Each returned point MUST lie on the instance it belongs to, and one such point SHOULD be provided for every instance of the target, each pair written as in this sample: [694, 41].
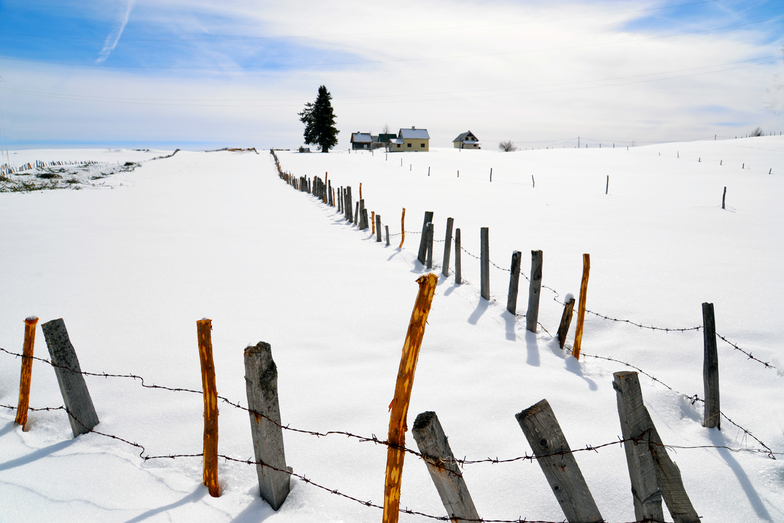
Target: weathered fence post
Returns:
[484, 263]
[210, 394]
[25, 379]
[637, 421]
[402, 398]
[458, 258]
[447, 246]
[373, 222]
[386, 229]
[534, 292]
[378, 228]
[356, 213]
[446, 475]
[261, 385]
[514, 283]
[364, 219]
[710, 369]
[566, 320]
[402, 228]
[423, 240]
[347, 207]
[723, 197]
[78, 404]
[429, 257]
[578, 333]
[554, 456]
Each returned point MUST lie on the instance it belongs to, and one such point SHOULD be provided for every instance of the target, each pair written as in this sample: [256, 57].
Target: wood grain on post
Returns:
[399, 406]
[447, 246]
[446, 475]
[566, 320]
[28, 349]
[423, 239]
[554, 456]
[484, 263]
[78, 403]
[534, 292]
[578, 333]
[402, 228]
[458, 258]
[348, 207]
[261, 385]
[373, 222]
[210, 394]
[634, 426]
[514, 283]
[710, 369]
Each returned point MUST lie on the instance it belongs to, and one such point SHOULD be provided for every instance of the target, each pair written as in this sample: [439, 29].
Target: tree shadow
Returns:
[718, 440]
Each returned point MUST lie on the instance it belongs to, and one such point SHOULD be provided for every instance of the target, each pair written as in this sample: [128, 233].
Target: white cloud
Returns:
[114, 36]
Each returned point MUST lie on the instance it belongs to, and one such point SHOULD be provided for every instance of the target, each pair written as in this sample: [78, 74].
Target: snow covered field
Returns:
[132, 264]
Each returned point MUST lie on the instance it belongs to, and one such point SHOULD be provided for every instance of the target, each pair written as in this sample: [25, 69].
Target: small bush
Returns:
[507, 146]
[756, 132]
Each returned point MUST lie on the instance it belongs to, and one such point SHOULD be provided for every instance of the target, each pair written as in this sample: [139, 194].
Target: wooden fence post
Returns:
[429, 257]
[484, 263]
[356, 213]
[78, 403]
[386, 229]
[377, 227]
[210, 393]
[261, 385]
[514, 283]
[578, 333]
[554, 456]
[723, 197]
[402, 228]
[373, 223]
[446, 475]
[566, 320]
[534, 292]
[710, 369]
[458, 258]
[423, 240]
[25, 379]
[363, 223]
[640, 426]
[447, 246]
[399, 406]
[347, 207]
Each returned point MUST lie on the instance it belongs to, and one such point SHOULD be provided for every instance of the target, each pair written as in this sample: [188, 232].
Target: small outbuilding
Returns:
[466, 140]
[410, 140]
[361, 140]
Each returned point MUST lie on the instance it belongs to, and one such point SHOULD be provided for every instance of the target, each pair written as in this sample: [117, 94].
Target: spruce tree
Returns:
[319, 120]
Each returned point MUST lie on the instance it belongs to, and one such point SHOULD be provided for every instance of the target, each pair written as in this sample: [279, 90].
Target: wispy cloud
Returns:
[114, 36]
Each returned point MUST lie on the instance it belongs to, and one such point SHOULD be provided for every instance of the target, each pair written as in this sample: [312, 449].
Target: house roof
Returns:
[361, 138]
[414, 134]
[462, 138]
[385, 137]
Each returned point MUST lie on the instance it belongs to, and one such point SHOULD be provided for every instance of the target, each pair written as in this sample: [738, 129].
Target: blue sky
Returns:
[193, 74]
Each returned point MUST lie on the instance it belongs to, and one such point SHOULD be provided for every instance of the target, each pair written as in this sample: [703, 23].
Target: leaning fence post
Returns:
[484, 264]
[447, 246]
[566, 320]
[210, 394]
[399, 406]
[578, 333]
[78, 404]
[710, 369]
[423, 239]
[554, 456]
[446, 475]
[28, 349]
[261, 385]
[534, 288]
[458, 258]
[402, 228]
[514, 283]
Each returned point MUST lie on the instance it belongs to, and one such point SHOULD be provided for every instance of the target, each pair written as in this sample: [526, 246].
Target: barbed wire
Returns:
[735, 346]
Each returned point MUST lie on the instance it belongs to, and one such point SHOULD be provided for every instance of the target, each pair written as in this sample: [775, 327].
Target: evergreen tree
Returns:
[319, 120]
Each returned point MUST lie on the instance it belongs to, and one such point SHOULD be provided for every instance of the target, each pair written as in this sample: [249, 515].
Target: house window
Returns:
[398, 146]
[422, 145]
[409, 144]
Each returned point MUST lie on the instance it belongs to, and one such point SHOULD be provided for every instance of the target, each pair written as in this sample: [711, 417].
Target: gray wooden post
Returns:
[447, 246]
[423, 239]
[552, 452]
[378, 228]
[634, 424]
[363, 224]
[261, 385]
[347, 207]
[458, 258]
[444, 472]
[723, 197]
[78, 404]
[484, 265]
[386, 228]
[668, 476]
[356, 213]
[514, 283]
[710, 369]
[566, 320]
[534, 292]
[429, 257]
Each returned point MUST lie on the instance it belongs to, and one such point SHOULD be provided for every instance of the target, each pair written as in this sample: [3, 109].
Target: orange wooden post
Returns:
[360, 190]
[373, 220]
[27, 372]
[402, 228]
[210, 393]
[578, 333]
[399, 406]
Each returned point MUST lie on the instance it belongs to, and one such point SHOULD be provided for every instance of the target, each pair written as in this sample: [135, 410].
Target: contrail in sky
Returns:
[114, 36]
